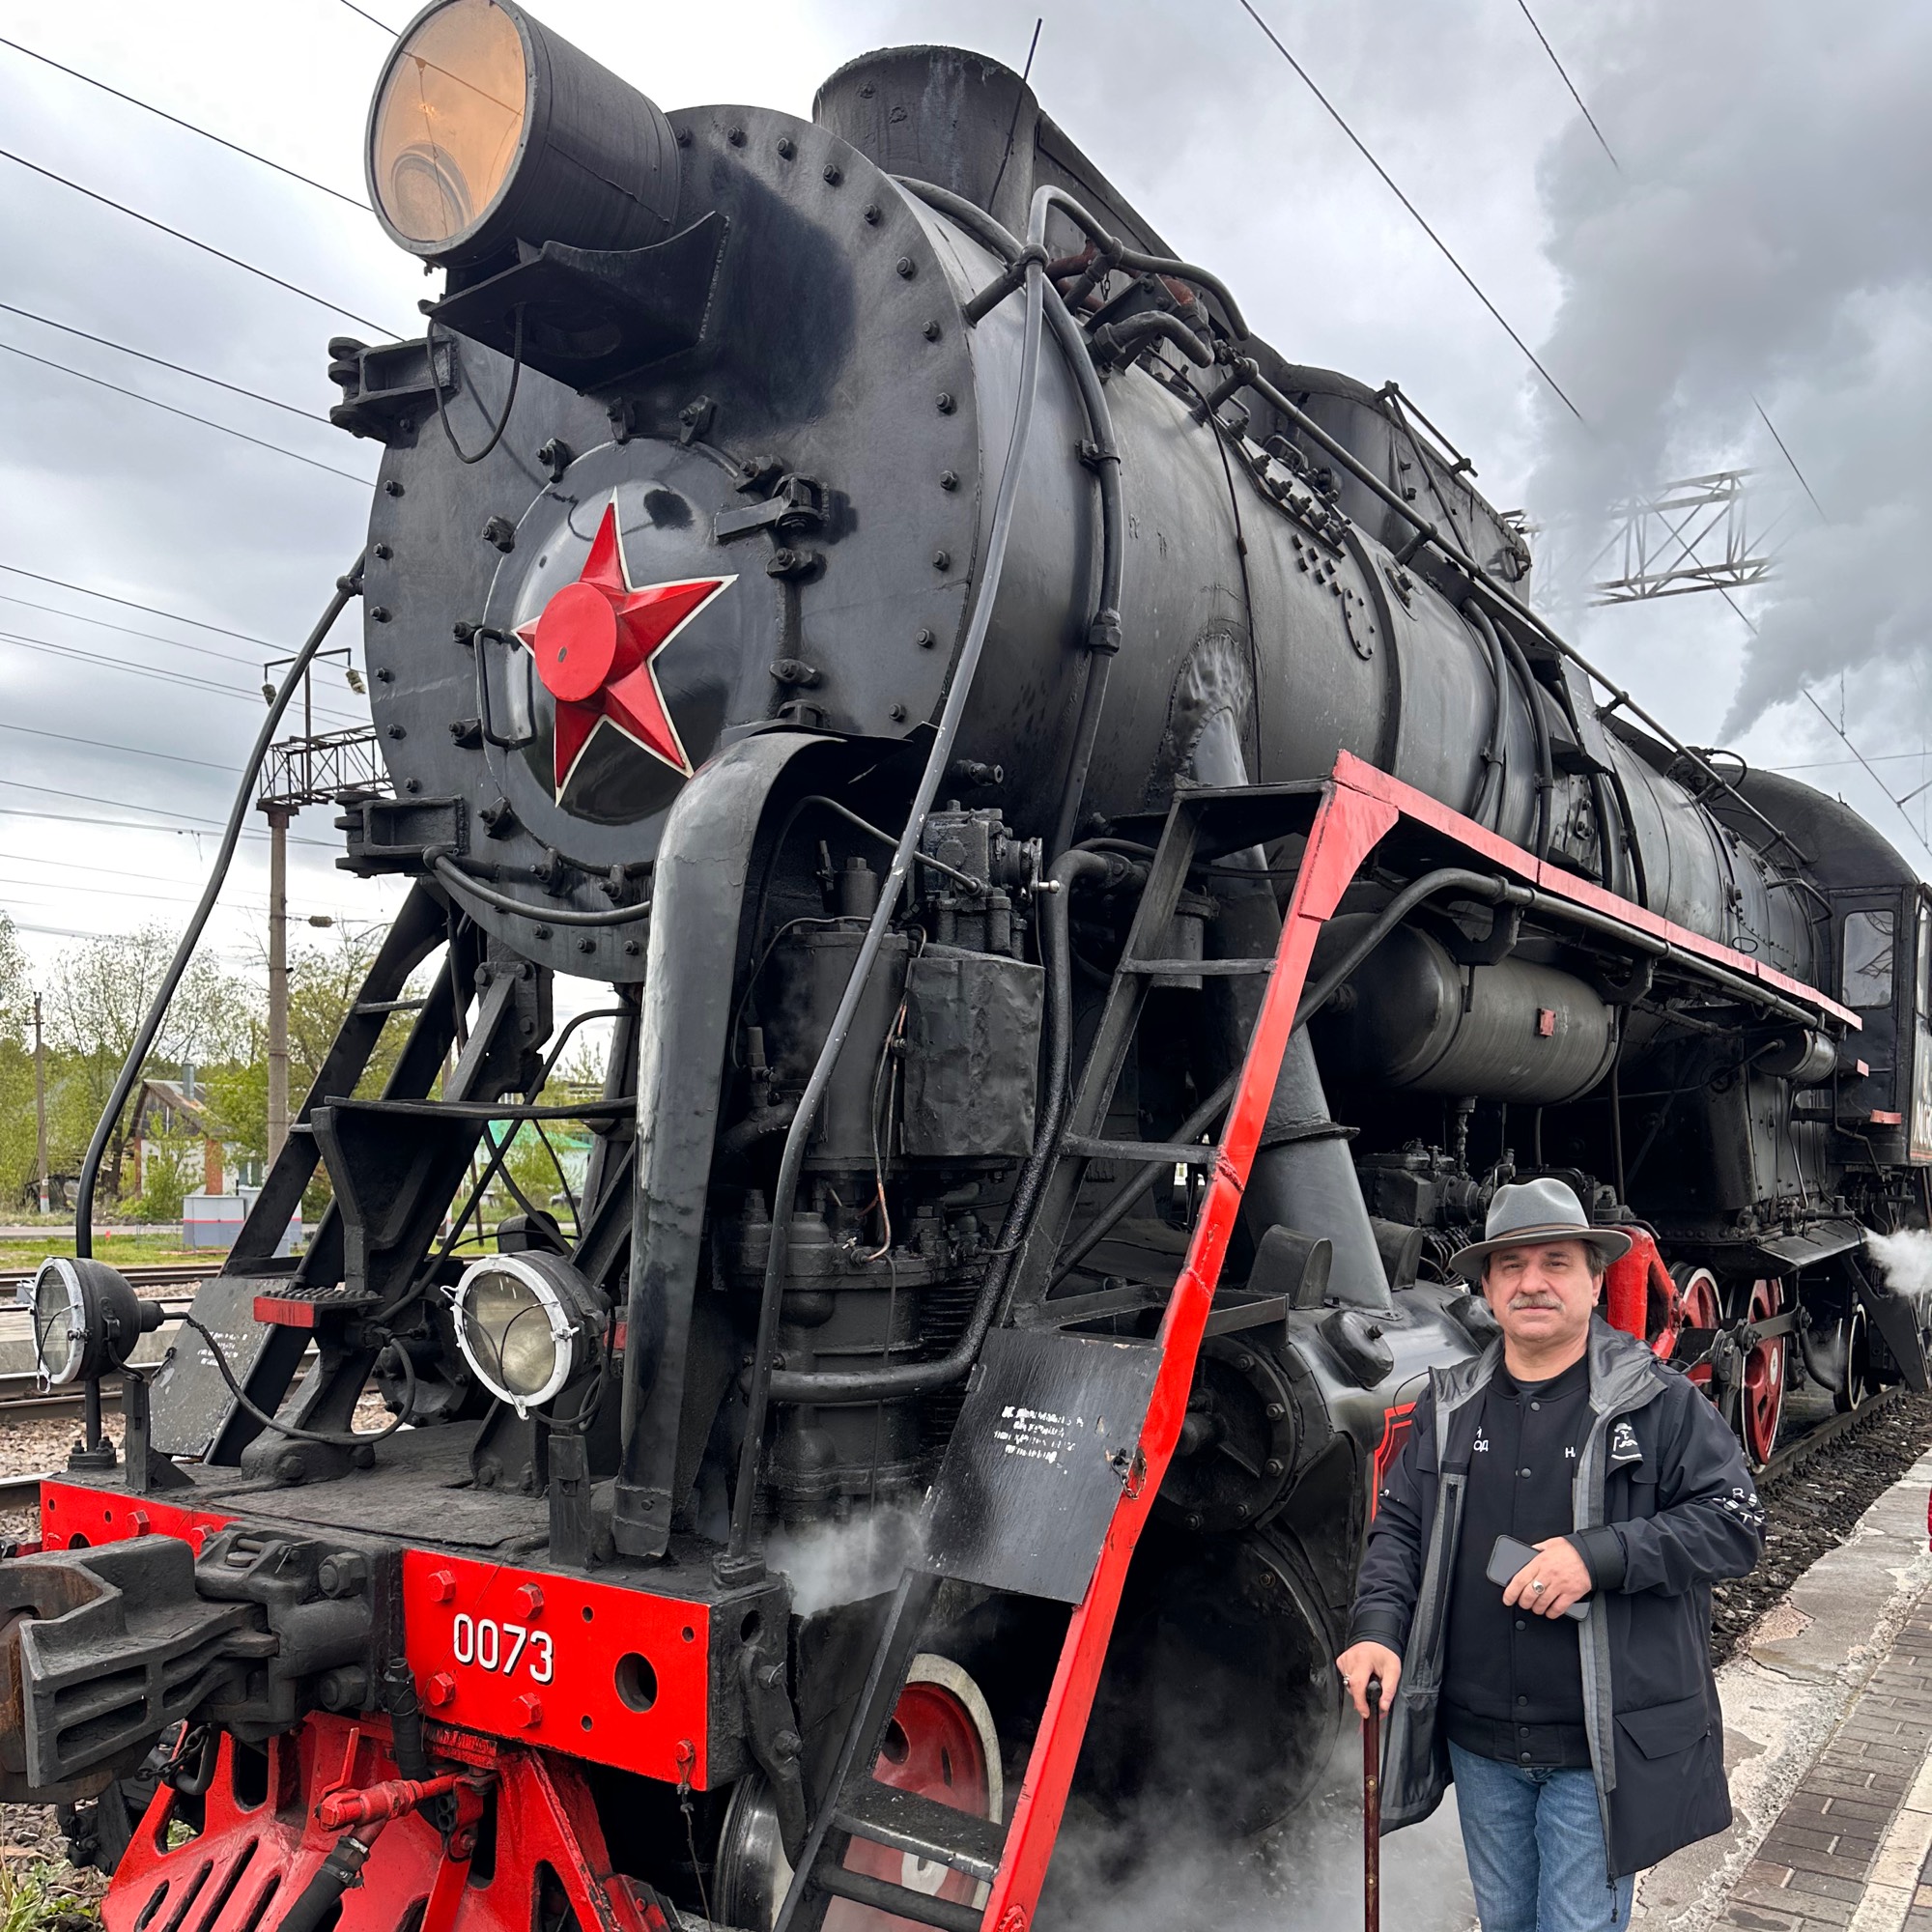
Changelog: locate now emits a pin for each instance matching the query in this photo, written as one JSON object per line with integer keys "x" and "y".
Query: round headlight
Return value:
{"x": 86, "y": 1318}
{"x": 487, "y": 128}
{"x": 527, "y": 1325}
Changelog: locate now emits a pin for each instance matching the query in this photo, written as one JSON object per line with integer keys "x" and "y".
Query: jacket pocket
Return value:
{"x": 1665, "y": 1729}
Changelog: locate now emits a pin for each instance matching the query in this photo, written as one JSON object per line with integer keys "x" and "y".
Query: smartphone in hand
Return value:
{"x": 1508, "y": 1557}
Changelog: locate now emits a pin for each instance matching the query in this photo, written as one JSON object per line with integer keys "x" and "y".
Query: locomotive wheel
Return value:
{"x": 1761, "y": 1399}
{"x": 1697, "y": 1308}
{"x": 1855, "y": 1384}
{"x": 941, "y": 1744}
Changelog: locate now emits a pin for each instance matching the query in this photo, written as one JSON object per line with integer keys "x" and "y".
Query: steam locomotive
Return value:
{"x": 1099, "y": 870}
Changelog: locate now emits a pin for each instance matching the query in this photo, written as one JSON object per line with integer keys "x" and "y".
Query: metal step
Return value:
{"x": 923, "y": 1827}
{"x": 898, "y": 1899}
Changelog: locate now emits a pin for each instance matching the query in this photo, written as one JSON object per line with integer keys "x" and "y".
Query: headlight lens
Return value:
{"x": 527, "y": 1325}
{"x": 448, "y": 120}
{"x": 60, "y": 1322}
{"x": 86, "y": 1318}
{"x": 487, "y": 129}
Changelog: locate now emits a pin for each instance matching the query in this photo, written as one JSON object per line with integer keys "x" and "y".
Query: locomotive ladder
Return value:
{"x": 1063, "y": 1440}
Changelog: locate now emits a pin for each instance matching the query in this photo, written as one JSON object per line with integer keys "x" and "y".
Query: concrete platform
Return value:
{"x": 1827, "y": 1721}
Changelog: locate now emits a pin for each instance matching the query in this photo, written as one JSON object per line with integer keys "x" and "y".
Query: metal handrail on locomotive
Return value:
{"x": 1097, "y": 872}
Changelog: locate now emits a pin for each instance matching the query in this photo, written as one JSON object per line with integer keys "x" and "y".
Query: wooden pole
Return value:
{"x": 1371, "y": 1809}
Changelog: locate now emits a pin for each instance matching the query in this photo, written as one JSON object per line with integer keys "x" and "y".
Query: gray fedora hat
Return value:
{"x": 1528, "y": 1212}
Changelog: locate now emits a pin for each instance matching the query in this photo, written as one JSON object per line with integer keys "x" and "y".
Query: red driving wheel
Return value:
{"x": 1762, "y": 1405}
{"x": 1697, "y": 1308}
{"x": 937, "y": 1745}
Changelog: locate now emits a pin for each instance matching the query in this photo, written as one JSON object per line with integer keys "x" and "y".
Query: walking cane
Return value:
{"x": 1371, "y": 1809}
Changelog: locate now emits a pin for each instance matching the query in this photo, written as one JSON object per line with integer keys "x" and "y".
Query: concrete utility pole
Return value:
{"x": 41, "y": 1110}
{"x": 313, "y": 769}
{"x": 278, "y": 978}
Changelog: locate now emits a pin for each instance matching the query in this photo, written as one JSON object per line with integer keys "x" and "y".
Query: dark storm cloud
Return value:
{"x": 1766, "y": 238}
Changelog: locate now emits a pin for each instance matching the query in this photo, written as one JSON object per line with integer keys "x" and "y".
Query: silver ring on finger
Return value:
{"x": 1536, "y": 1583}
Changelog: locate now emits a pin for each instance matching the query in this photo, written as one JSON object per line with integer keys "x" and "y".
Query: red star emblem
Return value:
{"x": 595, "y": 643}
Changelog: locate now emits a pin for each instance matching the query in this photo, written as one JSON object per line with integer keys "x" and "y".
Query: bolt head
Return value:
{"x": 440, "y": 1690}
{"x": 1275, "y": 1411}
{"x": 906, "y": 267}
{"x": 529, "y": 1711}
{"x": 443, "y": 1586}
{"x": 528, "y": 1598}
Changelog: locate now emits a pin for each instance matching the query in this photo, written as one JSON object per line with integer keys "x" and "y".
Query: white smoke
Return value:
{"x": 1155, "y": 1874}
{"x": 834, "y": 1563}
{"x": 1906, "y": 1258}
{"x": 1767, "y": 238}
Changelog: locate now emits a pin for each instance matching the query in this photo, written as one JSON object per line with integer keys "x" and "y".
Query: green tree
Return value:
{"x": 16, "y": 988}
{"x": 169, "y": 1170}
{"x": 99, "y": 994}
{"x": 325, "y": 980}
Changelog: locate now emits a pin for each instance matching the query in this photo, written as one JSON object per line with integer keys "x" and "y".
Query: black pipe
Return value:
{"x": 1547, "y": 770}
{"x": 1103, "y": 631}
{"x": 336, "y": 1873}
{"x": 1477, "y": 885}
{"x": 940, "y": 756}
{"x": 1538, "y": 724}
{"x": 347, "y": 585}
{"x": 1495, "y": 760}
{"x": 1123, "y": 341}
{"x": 844, "y": 1387}
{"x": 444, "y": 865}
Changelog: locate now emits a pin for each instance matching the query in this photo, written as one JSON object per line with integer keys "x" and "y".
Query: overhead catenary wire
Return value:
{"x": 102, "y": 745}
{"x": 361, "y": 13}
{"x": 1563, "y": 76}
{"x": 128, "y": 604}
{"x": 20, "y": 642}
{"x": 193, "y": 241}
{"x": 162, "y": 363}
{"x": 1845, "y": 739}
{"x": 189, "y": 415}
{"x": 1784, "y": 451}
{"x": 1388, "y": 181}
{"x": 207, "y": 134}
{"x": 193, "y": 822}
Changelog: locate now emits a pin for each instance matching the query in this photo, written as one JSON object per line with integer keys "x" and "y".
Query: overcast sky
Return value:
{"x": 1760, "y": 240}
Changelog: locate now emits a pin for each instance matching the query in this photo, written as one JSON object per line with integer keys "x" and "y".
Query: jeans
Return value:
{"x": 1534, "y": 1840}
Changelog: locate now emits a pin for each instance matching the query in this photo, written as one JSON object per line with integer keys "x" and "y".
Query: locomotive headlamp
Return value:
{"x": 487, "y": 128}
{"x": 86, "y": 1320}
{"x": 528, "y": 1325}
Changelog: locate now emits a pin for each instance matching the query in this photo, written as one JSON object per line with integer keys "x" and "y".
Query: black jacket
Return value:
{"x": 1665, "y": 1506}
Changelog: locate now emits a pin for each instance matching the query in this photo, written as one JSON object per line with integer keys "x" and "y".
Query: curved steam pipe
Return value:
{"x": 792, "y": 1160}
{"x": 1103, "y": 631}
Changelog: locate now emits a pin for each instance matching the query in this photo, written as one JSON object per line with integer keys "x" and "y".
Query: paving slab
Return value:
{"x": 1828, "y": 1745}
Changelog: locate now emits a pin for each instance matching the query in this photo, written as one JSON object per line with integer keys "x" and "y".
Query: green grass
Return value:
{"x": 143, "y": 1250}
{"x": 45, "y": 1899}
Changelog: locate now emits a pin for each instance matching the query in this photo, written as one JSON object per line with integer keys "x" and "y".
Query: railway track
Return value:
{"x": 143, "y": 1280}
{"x": 1834, "y": 1429}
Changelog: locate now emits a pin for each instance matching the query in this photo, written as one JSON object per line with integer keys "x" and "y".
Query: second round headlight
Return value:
{"x": 528, "y": 1325}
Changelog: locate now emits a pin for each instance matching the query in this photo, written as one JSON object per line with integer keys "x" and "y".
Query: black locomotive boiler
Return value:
{"x": 1099, "y": 871}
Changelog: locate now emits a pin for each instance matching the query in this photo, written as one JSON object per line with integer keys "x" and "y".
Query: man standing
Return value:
{"x": 1582, "y": 1749}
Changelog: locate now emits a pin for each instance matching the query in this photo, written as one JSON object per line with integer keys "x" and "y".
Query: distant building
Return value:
{"x": 169, "y": 1112}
